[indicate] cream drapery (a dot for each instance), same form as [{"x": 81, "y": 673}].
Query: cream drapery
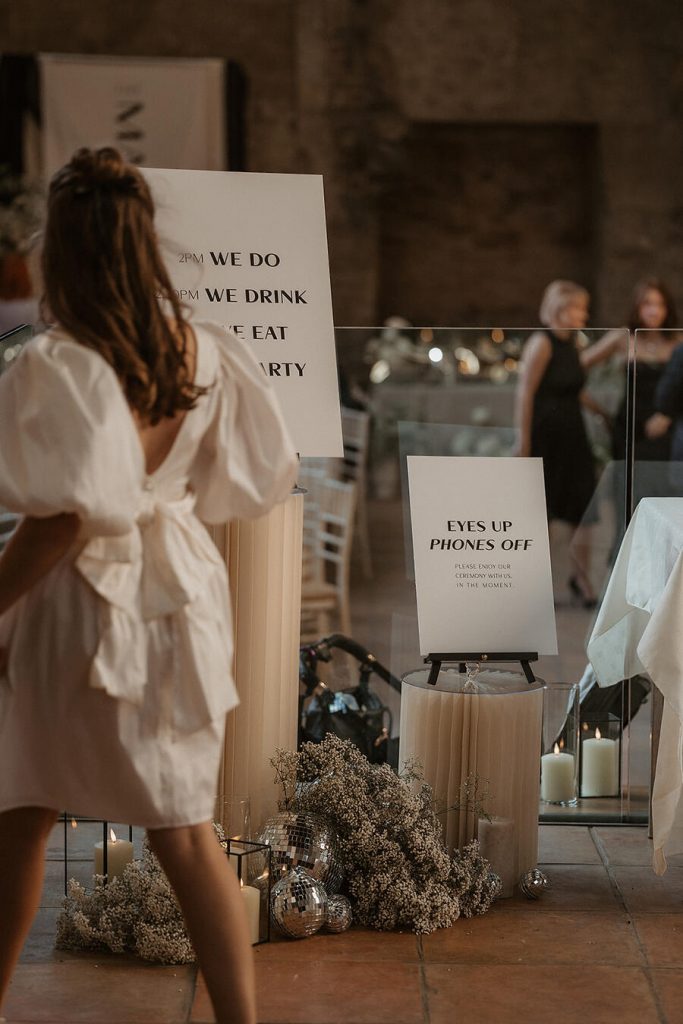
[{"x": 264, "y": 562}]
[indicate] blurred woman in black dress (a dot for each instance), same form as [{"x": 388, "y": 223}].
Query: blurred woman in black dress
[{"x": 550, "y": 420}]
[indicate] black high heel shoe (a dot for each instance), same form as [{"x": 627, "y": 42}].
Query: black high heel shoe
[{"x": 578, "y": 596}]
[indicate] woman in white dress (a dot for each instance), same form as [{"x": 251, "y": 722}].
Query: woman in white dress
[{"x": 123, "y": 427}]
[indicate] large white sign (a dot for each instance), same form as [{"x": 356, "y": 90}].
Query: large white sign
[
  {"x": 481, "y": 553},
  {"x": 158, "y": 112},
  {"x": 250, "y": 252}
]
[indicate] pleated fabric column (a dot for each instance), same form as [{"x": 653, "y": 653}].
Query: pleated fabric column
[
  {"x": 264, "y": 562},
  {"x": 493, "y": 734}
]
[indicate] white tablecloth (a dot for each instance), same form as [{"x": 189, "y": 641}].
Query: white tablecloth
[{"x": 640, "y": 629}]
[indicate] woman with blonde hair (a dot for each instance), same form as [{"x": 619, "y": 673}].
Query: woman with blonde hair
[
  {"x": 124, "y": 426},
  {"x": 549, "y": 417}
]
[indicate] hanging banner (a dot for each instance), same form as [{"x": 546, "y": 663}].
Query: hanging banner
[
  {"x": 158, "y": 112},
  {"x": 481, "y": 554},
  {"x": 250, "y": 252}
]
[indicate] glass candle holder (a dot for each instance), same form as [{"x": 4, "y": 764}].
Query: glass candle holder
[
  {"x": 600, "y": 755},
  {"x": 560, "y": 755},
  {"x": 233, "y": 813},
  {"x": 251, "y": 862}
]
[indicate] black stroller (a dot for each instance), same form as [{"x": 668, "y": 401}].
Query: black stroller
[{"x": 356, "y": 713}]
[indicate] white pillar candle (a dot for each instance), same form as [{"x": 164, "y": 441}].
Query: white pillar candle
[
  {"x": 119, "y": 854},
  {"x": 497, "y": 846},
  {"x": 252, "y": 906},
  {"x": 558, "y": 777},
  {"x": 599, "y": 766}
]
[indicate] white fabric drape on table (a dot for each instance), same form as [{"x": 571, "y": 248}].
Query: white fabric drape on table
[{"x": 638, "y": 630}]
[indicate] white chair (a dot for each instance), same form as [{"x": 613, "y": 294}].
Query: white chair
[
  {"x": 310, "y": 478},
  {"x": 325, "y": 585},
  {"x": 356, "y": 433}
]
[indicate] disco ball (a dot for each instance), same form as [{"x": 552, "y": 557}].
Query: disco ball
[
  {"x": 339, "y": 914},
  {"x": 533, "y": 883},
  {"x": 302, "y": 841},
  {"x": 496, "y": 884},
  {"x": 298, "y": 904}
]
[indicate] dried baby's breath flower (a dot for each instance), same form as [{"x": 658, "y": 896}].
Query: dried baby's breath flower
[
  {"x": 136, "y": 912},
  {"x": 390, "y": 840}
]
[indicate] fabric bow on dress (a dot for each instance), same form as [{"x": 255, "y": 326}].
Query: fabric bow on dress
[{"x": 158, "y": 569}]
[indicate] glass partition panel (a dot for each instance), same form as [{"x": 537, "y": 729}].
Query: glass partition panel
[{"x": 461, "y": 392}]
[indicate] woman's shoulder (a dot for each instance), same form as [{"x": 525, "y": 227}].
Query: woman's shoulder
[{"x": 539, "y": 343}]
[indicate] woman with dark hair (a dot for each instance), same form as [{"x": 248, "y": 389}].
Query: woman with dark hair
[
  {"x": 653, "y": 314},
  {"x": 123, "y": 426}
]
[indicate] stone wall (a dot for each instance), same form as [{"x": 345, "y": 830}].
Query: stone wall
[{"x": 346, "y": 87}]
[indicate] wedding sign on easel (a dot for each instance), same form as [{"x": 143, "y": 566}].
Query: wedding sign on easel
[
  {"x": 481, "y": 554},
  {"x": 249, "y": 251}
]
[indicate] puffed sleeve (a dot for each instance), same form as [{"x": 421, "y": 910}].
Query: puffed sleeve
[
  {"x": 246, "y": 462},
  {"x": 66, "y": 445}
]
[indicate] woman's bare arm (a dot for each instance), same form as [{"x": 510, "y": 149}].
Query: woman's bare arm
[
  {"x": 537, "y": 355},
  {"x": 609, "y": 345},
  {"x": 34, "y": 548},
  {"x": 589, "y": 402}
]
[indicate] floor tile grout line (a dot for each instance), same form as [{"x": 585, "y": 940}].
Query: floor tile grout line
[
  {"x": 614, "y": 885},
  {"x": 646, "y": 967},
  {"x": 192, "y": 993},
  {"x": 539, "y": 963},
  {"x": 424, "y": 992}
]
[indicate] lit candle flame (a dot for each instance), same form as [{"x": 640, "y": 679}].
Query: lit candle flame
[
  {"x": 556, "y": 749},
  {"x": 112, "y": 835},
  {"x": 74, "y": 823},
  {"x": 598, "y": 735}
]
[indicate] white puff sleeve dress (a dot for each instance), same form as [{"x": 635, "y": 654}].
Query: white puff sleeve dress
[{"x": 119, "y": 673}]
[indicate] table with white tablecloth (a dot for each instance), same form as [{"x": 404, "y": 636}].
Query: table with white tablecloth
[{"x": 639, "y": 629}]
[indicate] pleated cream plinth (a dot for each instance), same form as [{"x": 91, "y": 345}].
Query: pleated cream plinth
[
  {"x": 494, "y": 733},
  {"x": 264, "y": 562}
]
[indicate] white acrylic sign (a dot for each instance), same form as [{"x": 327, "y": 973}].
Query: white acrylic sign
[
  {"x": 250, "y": 252},
  {"x": 481, "y": 553}
]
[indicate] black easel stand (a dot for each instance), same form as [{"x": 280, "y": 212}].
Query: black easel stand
[{"x": 523, "y": 657}]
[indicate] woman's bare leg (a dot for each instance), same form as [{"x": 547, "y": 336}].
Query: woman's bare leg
[
  {"x": 209, "y": 896},
  {"x": 23, "y": 835}
]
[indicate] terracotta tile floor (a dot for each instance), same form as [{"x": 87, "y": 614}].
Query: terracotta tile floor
[{"x": 605, "y": 944}]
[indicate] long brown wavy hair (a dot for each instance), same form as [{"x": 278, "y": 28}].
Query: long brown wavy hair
[{"x": 106, "y": 283}]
